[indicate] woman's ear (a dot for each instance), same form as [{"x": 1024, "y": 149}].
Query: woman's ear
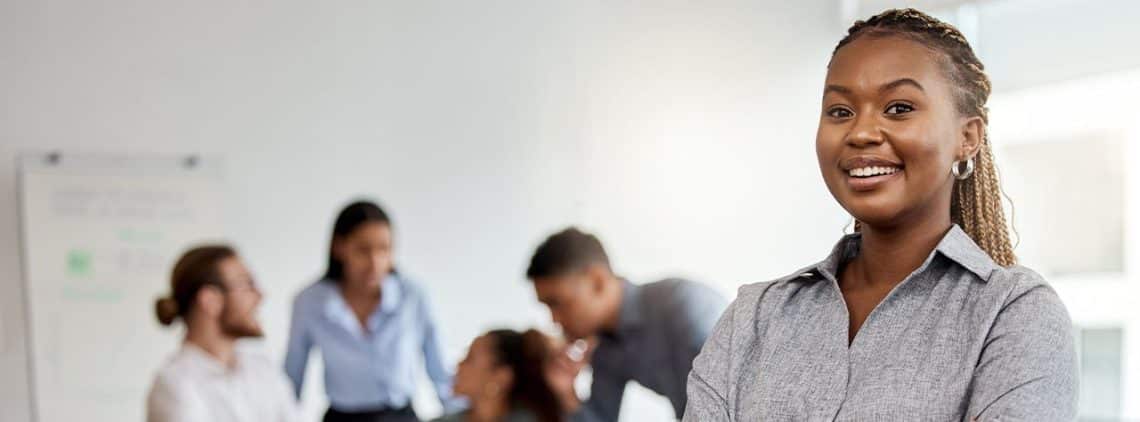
[{"x": 973, "y": 134}]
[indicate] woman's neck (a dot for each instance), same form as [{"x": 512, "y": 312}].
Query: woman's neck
[
  {"x": 489, "y": 409},
  {"x": 888, "y": 255},
  {"x": 360, "y": 291}
]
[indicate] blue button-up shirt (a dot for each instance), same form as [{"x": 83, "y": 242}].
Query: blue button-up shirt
[{"x": 374, "y": 368}]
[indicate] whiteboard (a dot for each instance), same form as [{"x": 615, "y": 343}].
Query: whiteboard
[{"x": 100, "y": 234}]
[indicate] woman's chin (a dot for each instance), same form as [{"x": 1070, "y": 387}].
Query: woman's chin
[
  {"x": 878, "y": 218},
  {"x": 877, "y": 210}
]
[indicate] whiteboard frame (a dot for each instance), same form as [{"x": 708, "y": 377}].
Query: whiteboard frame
[{"x": 111, "y": 163}]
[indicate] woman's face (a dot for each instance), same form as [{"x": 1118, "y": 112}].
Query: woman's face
[
  {"x": 478, "y": 369},
  {"x": 889, "y": 131},
  {"x": 365, "y": 253}
]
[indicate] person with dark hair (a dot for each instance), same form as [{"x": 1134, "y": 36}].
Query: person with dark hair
[
  {"x": 648, "y": 334},
  {"x": 210, "y": 379},
  {"x": 504, "y": 380},
  {"x": 923, "y": 313},
  {"x": 372, "y": 325}
]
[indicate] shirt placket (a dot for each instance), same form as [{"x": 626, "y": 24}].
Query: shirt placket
[
  {"x": 826, "y": 396},
  {"x": 377, "y": 325}
]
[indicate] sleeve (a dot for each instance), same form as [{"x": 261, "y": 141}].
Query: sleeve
[
  {"x": 168, "y": 403},
  {"x": 1028, "y": 366},
  {"x": 709, "y": 383},
  {"x": 299, "y": 346},
  {"x": 606, "y": 393},
  {"x": 437, "y": 369}
]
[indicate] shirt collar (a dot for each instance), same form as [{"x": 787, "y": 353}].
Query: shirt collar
[
  {"x": 337, "y": 309},
  {"x": 390, "y": 294},
  {"x": 955, "y": 245},
  {"x": 960, "y": 248}
]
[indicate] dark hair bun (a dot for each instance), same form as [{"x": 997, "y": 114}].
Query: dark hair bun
[{"x": 166, "y": 309}]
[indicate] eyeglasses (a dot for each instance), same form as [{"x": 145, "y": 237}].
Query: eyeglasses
[{"x": 245, "y": 285}]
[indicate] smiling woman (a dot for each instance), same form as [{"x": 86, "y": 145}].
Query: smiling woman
[
  {"x": 976, "y": 201},
  {"x": 922, "y": 314}
]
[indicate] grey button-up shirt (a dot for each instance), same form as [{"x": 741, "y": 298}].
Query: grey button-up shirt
[
  {"x": 960, "y": 338},
  {"x": 660, "y": 330}
]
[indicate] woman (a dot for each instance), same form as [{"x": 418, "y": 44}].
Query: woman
[
  {"x": 503, "y": 379},
  {"x": 922, "y": 314},
  {"x": 371, "y": 324}
]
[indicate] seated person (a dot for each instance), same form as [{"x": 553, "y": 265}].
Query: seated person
[
  {"x": 503, "y": 378},
  {"x": 209, "y": 379}
]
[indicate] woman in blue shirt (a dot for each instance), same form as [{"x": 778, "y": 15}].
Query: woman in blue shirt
[{"x": 372, "y": 325}]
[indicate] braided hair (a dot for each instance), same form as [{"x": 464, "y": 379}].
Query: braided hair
[{"x": 976, "y": 202}]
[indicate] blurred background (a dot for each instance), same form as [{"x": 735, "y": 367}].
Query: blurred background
[{"x": 680, "y": 132}]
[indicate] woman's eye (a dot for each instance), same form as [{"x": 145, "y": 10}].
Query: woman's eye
[
  {"x": 839, "y": 113},
  {"x": 899, "y": 109}
]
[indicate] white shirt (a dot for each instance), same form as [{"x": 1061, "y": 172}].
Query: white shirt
[{"x": 193, "y": 386}]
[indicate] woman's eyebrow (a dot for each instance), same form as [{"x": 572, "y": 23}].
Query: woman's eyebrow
[
  {"x": 840, "y": 89},
  {"x": 836, "y": 88},
  {"x": 900, "y": 82}
]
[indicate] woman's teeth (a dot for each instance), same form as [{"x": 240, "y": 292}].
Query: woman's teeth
[{"x": 872, "y": 171}]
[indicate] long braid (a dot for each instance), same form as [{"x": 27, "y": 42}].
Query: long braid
[{"x": 976, "y": 202}]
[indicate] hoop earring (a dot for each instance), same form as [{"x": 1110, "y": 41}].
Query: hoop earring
[{"x": 963, "y": 174}]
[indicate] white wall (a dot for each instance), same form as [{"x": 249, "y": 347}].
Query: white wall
[
  {"x": 681, "y": 133},
  {"x": 1093, "y": 300},
  {"x": 1027, "y": 43},
  {"x": 1030, "y": 43}
]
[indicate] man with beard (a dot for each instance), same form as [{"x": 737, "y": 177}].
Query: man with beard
[{"x": 209, "y": 378}]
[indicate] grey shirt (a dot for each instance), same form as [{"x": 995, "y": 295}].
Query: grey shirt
[
  {"x": 959, "y": 338},
  {"x": 660, "y": 330}
]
